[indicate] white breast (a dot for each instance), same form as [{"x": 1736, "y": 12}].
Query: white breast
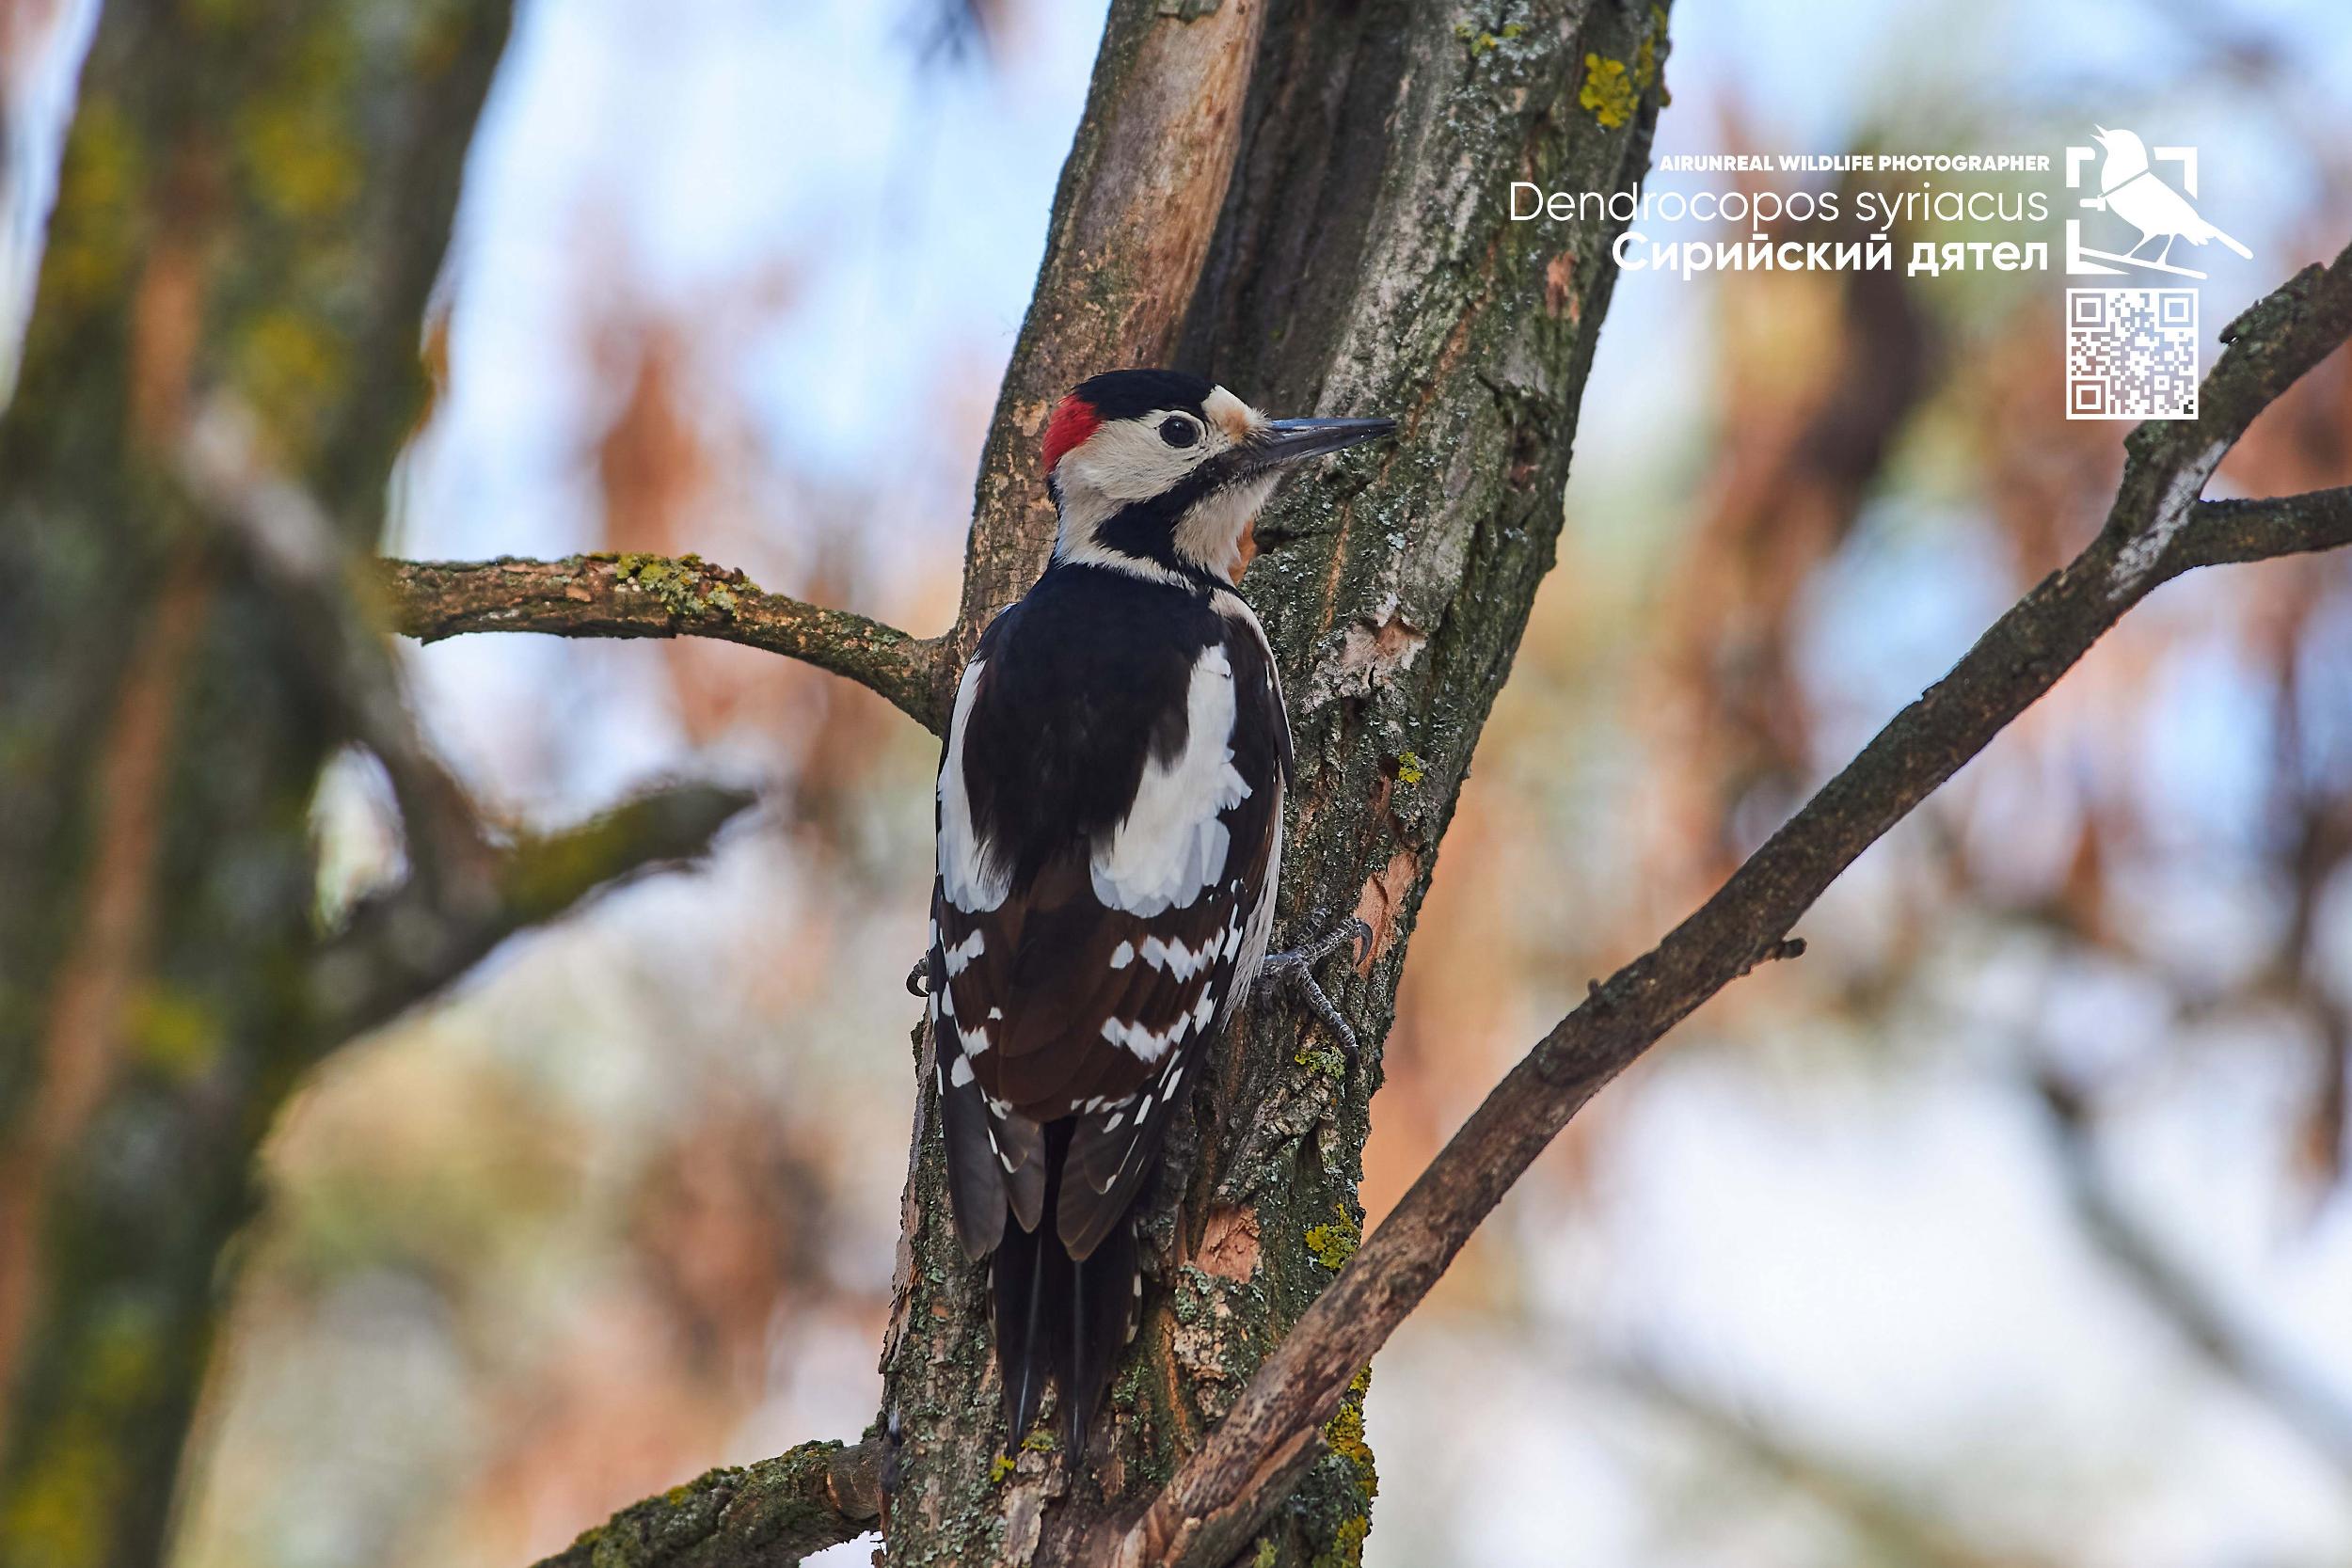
[{"x": 1172, "y": 847}]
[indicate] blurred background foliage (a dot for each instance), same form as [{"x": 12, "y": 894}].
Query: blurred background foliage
[{"x": 2009, "y": 1226}]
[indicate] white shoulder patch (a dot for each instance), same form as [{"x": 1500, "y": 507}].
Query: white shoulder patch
[
  {"x": 1172, "y": 847},
  {"x": 968, "y": 873}
]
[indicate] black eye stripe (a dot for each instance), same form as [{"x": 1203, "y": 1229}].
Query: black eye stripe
[{"x": 1177, "y": 431}]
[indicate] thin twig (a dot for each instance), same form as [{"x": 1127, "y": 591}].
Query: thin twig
[
  {"x": 406, "y": 946},
  {"x": 2223, "y": 532}
]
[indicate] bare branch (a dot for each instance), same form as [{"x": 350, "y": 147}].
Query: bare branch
[
  {"x": 765, "y": 1515},
  {"x": 1145, "y": 180},
  {"x": 651, "y": 595},
  {"x": 2224, "y": 532},
  {"x": 404, "y": 946},
  {"x": 1208, "y": 1508}
]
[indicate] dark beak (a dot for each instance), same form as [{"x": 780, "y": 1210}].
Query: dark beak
[{"x": 1290, "y": 441}]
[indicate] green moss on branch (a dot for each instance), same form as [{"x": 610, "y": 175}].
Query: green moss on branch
[
  {"x": 651, "y": 595},
  {"x": 765, "y": 1515}
]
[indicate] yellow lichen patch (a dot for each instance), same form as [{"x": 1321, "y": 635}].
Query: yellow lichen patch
[
  {"x": 1483, "y": 42},
  {"x": 1606, "y": 92},
  {"x": 302, "y": 167},
  {"x": 1408, "y": 768},
  {"x": 1347, "y": 1546},
  {"x": 685, "y": 583},
  {"x": 125, "y": 1363},
  {"x": 1329, "y": 1062},
  {"x": 93, "y": 240},
  {"x": 1332, "y": 1245},
  {"x": 291, "y": 370},
  {"x": 296, "y": 144},
  {"x": 173, "y": 1032},
  {"x": 72, "y": 1485},
  {"x": 1344, "y": 1433},
  {"x": 676, "y": 583},
  {"x": 999, "y": 1469},
  {"x": 59, "y": 1507}
]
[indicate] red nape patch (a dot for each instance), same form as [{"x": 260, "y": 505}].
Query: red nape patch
[{"x": 1073, "y": 420}]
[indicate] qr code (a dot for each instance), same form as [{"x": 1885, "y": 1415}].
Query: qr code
[{"x": 2131, "y": 353}]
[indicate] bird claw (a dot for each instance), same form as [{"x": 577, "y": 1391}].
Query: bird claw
[
  {"x": 1294, "y": 971},
  {"x": 919, "y": 977}
]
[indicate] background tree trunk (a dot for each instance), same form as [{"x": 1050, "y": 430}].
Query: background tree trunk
[
  {"x": 1363, "y": 262},
  {"x": 254, "y": 206}
]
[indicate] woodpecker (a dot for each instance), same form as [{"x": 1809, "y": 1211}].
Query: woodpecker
[{"x": 1110, "y": 829}]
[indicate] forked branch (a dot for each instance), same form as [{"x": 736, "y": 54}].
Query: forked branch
[
  {"x": 2157, "y": 530},
  {"x": 465, "y": 891}
]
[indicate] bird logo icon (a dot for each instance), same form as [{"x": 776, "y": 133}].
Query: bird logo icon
[{"x": 2129, "y": 186}]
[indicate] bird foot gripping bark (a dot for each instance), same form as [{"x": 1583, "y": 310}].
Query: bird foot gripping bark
[{"x": 1294, "y": 971}]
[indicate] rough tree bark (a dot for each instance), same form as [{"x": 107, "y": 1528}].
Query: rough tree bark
[
  {"x": 1359, "y": 261},
  {"x": 1360, "y": 264},
  {"x": 1363, "y": 262},
  {"x": 1311, "y": 203},
  {"x": 1296, "y": 1403},
  {"x": 2157, "y": 529},
  {"x": 223, "y": 363}
]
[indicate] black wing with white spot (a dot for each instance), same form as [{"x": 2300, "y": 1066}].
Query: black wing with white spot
[
  {"x": 1093, "y": 933},
  {"x": 1109, "y": 841}
]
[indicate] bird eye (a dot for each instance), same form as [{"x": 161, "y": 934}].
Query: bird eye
[{"x": 1177, "y": 431}]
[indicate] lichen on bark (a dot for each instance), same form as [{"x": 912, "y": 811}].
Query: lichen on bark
[
  {"x": 1363, "y": 262},
  {"x": 252, "y": 206}
]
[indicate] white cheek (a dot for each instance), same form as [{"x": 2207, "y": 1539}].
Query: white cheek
[
  {"x": 1210, "y": 531},
  {"x": 1128, "y": 462}
]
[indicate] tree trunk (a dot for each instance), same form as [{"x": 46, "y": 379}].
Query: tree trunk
[
  {"x": 253, "y": 208},
  {"x": 1363, "y": 262}
]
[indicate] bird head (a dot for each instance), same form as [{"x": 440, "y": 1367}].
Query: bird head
[{"x": 1166, "y": 470}]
